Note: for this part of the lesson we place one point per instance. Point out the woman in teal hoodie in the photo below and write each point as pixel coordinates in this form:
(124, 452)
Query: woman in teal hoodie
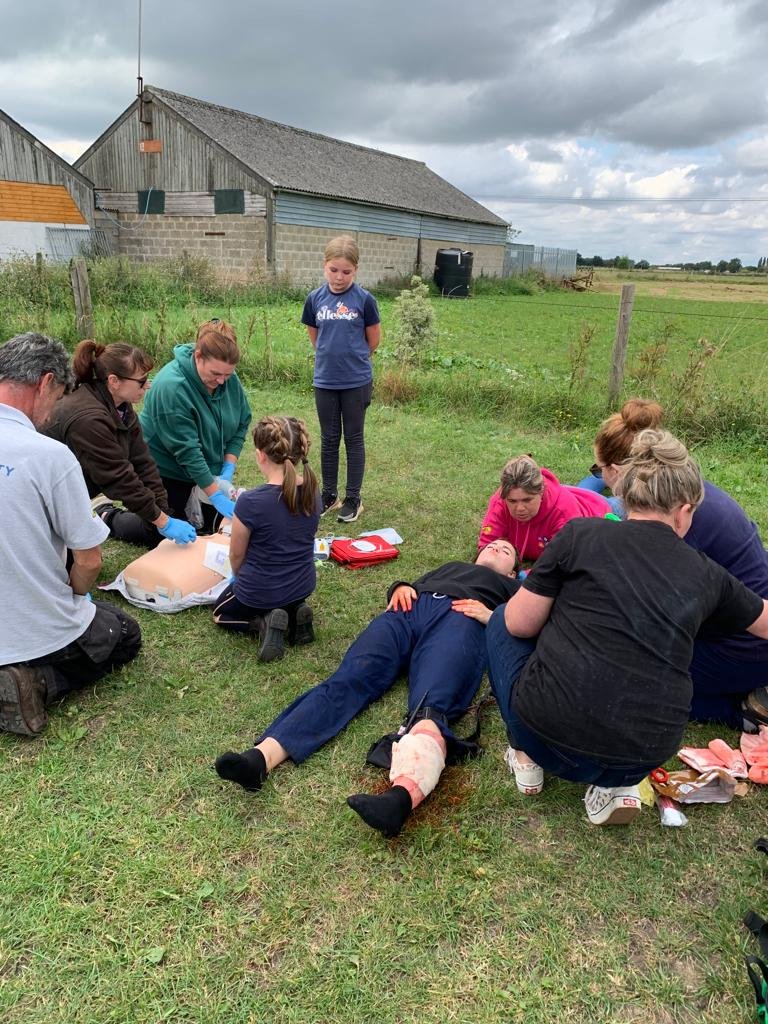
(195, 419)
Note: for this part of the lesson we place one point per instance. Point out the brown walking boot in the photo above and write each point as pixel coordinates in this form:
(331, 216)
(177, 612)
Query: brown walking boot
(23, 691)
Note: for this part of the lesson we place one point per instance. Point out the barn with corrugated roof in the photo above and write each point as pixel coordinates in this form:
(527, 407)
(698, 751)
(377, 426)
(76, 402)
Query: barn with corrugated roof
(182, 175)
(46, 205)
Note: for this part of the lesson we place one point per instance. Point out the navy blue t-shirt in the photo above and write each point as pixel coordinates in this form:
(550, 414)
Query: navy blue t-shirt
(279, 563)
(722, 530)
(342, 356)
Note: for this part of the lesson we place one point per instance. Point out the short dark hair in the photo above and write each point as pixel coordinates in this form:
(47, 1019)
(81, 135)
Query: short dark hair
(26, 358)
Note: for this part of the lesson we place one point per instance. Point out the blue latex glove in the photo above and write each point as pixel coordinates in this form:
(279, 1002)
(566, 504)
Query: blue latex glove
(225, 486)
(178, 530)
(223, 505)
(227, 471)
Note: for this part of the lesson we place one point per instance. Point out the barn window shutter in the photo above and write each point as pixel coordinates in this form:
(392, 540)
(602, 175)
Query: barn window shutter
(152, 201)
(229, 200)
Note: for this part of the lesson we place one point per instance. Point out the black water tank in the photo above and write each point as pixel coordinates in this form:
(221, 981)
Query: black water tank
(453, 272)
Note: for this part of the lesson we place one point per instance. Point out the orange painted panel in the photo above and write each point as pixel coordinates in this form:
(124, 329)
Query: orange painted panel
(151, 146)
(43, 204)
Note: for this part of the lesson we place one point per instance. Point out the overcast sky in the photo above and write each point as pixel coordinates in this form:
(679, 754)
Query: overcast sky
(510, 101)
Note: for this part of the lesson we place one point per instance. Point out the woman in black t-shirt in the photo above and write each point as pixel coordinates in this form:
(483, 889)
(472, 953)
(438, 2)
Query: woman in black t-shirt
(603, 695)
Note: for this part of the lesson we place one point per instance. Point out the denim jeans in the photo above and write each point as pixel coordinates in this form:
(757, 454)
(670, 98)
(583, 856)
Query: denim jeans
(507, 657)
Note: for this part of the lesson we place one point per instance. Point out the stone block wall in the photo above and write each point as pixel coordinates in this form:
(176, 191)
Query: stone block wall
(299, 254)
(234, 244)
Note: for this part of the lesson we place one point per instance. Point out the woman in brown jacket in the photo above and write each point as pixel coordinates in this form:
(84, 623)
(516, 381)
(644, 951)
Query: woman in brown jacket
(98, 423)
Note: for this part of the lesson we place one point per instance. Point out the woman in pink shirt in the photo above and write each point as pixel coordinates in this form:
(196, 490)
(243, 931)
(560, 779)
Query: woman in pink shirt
(532, 505)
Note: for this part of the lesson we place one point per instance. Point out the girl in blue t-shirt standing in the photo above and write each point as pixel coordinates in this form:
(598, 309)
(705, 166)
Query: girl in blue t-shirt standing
(273, 542)
(344, 326)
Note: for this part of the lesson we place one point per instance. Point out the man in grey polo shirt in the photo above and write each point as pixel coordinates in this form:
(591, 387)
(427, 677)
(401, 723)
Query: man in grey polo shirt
(53, 638)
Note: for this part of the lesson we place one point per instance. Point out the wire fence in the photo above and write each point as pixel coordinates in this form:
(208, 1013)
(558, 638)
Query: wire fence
(64, 243)
(519, 258)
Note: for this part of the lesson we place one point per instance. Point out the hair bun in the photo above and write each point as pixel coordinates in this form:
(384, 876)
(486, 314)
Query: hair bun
(641, 413)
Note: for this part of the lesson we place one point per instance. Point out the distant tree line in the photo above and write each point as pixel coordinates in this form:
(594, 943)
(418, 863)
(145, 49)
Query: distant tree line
(703, 266)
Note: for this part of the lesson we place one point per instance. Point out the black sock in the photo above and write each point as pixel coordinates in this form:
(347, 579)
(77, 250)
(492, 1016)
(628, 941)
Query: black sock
(248, 769)
(387, 812)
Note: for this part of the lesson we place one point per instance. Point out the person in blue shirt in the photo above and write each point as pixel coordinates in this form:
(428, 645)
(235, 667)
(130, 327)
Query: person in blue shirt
(344, 327)
(273, 541)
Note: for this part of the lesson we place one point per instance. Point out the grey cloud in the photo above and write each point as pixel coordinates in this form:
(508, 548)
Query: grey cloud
(616, 22)
(449, 82)
(543, 153)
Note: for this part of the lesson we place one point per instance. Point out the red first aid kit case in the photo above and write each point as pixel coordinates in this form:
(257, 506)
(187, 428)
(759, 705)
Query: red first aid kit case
(355, 554)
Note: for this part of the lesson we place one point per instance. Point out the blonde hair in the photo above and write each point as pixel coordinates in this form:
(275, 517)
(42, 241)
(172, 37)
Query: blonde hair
(659, 475)
(521, 472)
(343, 247)
(616, 434)
(286, 442)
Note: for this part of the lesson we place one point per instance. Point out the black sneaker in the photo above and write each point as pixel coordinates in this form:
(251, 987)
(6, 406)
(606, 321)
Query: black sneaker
(273, 628)
(23, 690)
(350, 510)
(756, 705)
(303, 633)
(330, 502)
(103, 509)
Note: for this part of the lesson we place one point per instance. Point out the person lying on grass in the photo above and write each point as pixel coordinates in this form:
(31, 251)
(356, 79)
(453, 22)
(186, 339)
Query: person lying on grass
(604, 693)
(532, 505)
(431, 629)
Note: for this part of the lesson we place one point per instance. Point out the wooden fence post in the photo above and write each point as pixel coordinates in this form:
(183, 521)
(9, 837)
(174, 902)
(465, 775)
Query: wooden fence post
(81, 292)
(619, 355)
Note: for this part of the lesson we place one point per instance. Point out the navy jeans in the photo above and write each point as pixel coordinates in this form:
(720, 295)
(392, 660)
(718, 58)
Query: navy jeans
(342, 409)
(507, 657)
(442, 651)
(720, 683)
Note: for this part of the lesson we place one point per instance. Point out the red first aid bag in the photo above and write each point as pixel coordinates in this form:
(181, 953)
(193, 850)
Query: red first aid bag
(355, 554)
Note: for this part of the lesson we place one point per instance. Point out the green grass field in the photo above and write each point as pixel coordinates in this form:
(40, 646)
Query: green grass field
(137, 887)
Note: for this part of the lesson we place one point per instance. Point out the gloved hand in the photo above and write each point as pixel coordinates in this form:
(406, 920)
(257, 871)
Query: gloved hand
(223, 505)
(226, 487)
(227, 471)
(178, 530)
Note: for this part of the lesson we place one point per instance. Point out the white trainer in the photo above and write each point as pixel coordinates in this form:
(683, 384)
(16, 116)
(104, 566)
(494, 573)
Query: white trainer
(612, 806)
(528, 775)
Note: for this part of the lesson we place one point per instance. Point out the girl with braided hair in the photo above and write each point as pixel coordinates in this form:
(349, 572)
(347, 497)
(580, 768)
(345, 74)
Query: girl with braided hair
(272, 546)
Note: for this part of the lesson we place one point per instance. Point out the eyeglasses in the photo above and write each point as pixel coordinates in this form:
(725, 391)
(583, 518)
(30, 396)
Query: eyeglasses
(141, 381)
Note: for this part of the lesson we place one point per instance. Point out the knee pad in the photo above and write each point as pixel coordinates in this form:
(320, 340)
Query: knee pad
(418, 757)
